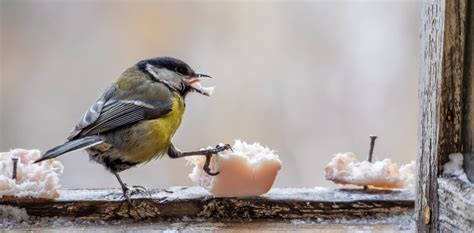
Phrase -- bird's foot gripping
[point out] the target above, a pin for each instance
(127, 192)
(219, 148)
(136, 189)
(209, 152)
(174, 153)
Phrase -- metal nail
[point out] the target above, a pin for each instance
(371, 152)
(15, 163)
(371, 149)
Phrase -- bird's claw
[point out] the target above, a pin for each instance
(138, 189)
(222, 147)
(212, 173)
(127, 192)
(207, 163)
(210, 152)
(208, 171)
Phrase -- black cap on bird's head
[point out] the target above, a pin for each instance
(175, 74)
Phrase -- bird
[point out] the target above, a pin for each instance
(134, 120)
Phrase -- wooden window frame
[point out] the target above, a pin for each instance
(446, 108)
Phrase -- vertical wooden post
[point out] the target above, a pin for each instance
(443, 36)
(468, 100)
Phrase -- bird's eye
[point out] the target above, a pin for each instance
(180, 70)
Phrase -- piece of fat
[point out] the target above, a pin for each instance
(248, 170)
(204, 90)
(344, 169)
(40, 180)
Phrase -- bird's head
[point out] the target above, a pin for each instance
(175, 74)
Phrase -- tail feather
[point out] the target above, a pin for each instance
(80, 143)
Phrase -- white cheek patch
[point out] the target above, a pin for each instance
(151, 70)
(162, 75)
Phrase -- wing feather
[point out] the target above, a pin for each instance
(109, 113)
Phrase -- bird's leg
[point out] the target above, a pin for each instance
(125, 190)
(175, 153)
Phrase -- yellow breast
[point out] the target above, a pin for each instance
(152, 138)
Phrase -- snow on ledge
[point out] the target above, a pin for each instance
(39, 180)
(453, 168)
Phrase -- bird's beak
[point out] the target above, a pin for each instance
(203, 76)
(194, 83)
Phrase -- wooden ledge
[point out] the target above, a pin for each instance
(456, 200)
(177, 202)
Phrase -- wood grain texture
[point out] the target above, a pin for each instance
(468, 101)
(456, 205)
(441, 99)
(178, 202)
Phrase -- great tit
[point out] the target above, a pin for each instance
(134, 120)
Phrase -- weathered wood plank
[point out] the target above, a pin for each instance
(317, 203)
(456, 205)
(441, 98)
(468, 89)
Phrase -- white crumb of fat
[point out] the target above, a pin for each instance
(206, 90)
(344, 169)
(408, 175)
(454, 167)
(40, 180)
(246, 170)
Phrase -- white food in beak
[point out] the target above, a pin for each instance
(248, 170)
(203, 90)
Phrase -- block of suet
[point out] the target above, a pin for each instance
(345, 169)
(20, 177)
(246, 170)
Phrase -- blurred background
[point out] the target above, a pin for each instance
(305, 78)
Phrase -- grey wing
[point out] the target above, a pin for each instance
(93, 113)
(107, 114)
